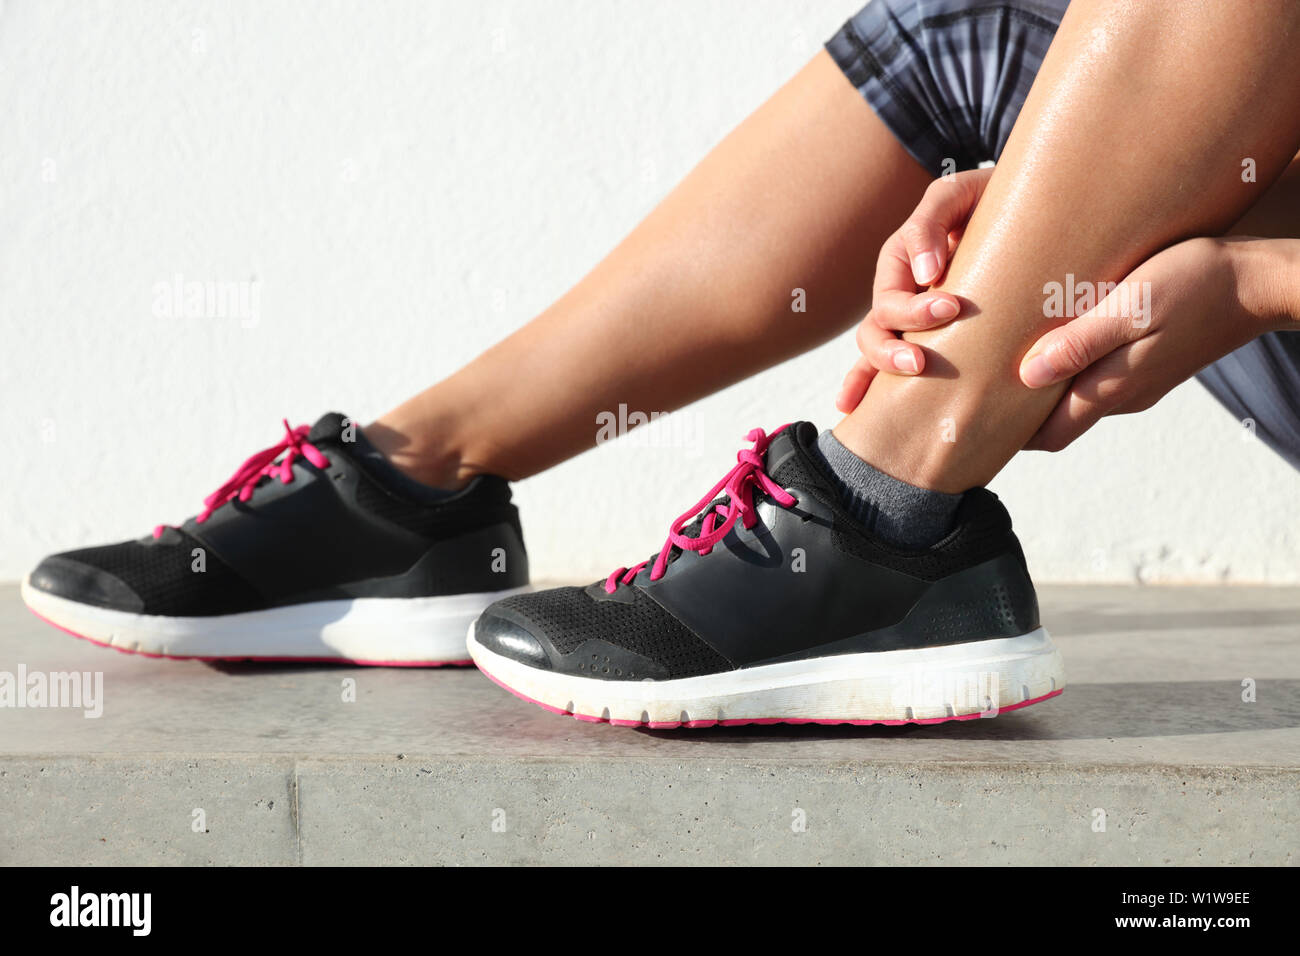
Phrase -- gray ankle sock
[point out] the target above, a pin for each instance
(902, 514)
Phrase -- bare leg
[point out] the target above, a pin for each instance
(800, 196)
(1132, 138)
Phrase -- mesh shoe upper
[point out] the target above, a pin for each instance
(574, 620)
(155, 576)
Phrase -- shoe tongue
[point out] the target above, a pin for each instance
(330, 427)
(344, 434)
(783, 460)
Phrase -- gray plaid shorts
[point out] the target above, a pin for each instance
(948, 78)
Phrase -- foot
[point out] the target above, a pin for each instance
(774, 605)
(316, 549)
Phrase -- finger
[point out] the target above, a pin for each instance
(1066, 351)
(908, 312)
(945, 207)
(926, 241)
(893, 270)
(886, 352)
(1071, 417)
(954, 239)
(1105, 388)
(855, 386)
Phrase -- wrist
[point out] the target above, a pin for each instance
(1267, 274)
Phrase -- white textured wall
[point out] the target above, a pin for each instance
(406, 183)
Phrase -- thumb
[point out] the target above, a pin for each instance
(1066, 351)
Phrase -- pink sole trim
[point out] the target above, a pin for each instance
(693, 724)
(258, 660)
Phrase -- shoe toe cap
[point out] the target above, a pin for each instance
(501, 632)
(64, 576)
(585, 632)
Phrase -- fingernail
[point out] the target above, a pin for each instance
(905, 361)
(1038, 371)
(925, 267)
(944, 309)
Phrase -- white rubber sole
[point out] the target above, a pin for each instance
(396, 632)
(928, 685)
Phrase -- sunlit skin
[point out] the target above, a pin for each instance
(800, 196)
(1199, 299)
(1131, 139)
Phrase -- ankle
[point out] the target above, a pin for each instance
(896, 511)
(925, 463)
(416, 454)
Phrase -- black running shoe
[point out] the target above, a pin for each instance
(774, 605)
(316, 549)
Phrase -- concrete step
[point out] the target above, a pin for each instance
(194, 763)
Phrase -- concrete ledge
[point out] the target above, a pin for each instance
(141, 810)
(348, 811)
(442, 767)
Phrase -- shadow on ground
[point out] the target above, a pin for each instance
(1083, 712)
(1106, 620)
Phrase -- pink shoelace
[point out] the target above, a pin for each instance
(738, 485)
(240, 485)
